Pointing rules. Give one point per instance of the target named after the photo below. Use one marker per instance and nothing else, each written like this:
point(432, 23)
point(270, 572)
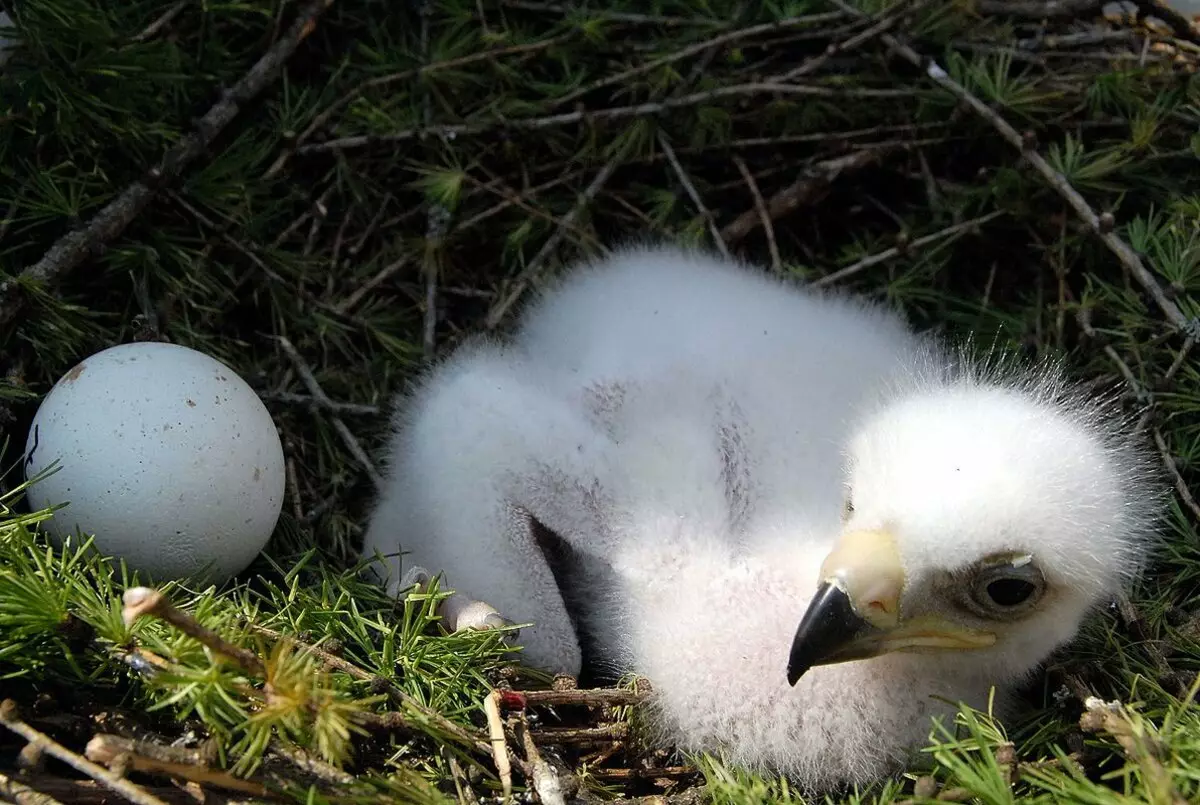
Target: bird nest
point(326, 195)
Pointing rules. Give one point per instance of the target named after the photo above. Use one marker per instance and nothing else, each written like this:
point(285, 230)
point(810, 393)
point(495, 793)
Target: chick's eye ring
point(1004, 590)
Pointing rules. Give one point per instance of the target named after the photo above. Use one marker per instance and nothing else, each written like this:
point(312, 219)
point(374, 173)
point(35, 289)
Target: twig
point(545, 780)
point(693, 194)
point(491, 708)
point(699, 47)
point(665, 772)
point(115, 751)
point(399, 697)
point(139, 601)
point(1139, 744)
point(593, 697)
point(583, 735)
point(760, 208)
point(308, 401)
point(1146, 397)
point(808, 188)
point(1037, 9)
point(837, 48)
point(350, 302)
point(10, 718)
point(47, 789)
point(599, 115)
point(888, 254)
point(1180, 25)
point(371, 225)
point(22, 794)
point(1181, 486)
point(321, 119)
point(72, 249)
point(1103, 228)
point(154, 28)
point(314, 388)
point(534, 268)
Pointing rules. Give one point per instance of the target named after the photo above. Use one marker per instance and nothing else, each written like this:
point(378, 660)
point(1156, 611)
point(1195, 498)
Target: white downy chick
point(803, 523)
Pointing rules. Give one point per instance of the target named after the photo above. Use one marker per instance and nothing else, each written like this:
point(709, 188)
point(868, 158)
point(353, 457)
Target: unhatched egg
point(165, 454)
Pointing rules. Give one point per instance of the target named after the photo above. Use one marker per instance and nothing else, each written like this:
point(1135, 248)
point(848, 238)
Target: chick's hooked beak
point(856, 611)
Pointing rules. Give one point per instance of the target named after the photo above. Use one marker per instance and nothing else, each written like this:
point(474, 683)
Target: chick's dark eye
point(1010, 592)
point(1004, 589)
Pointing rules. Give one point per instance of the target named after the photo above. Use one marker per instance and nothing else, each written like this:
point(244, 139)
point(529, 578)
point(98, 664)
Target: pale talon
point(808, 527)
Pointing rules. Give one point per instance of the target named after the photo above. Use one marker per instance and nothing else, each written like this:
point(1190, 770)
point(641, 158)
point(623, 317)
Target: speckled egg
point(165, 454)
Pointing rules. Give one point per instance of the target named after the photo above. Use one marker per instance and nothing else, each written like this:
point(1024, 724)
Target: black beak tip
point(824, 632)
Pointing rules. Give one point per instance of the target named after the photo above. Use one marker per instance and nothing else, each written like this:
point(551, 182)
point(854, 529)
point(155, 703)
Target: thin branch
point(895, 251)
point(350, 302)
point(597, 697)
point(600, 115)
point(159, 24)
point(71, 250)
point(22, 794)
point(760, 208)
point(1036, 9)
point(699, 47)
point(399, 698)
point(1104, 229)
point(10, 718)
point(333, 406)
point(116, 751)
point(809, 188)
point(314, 388)
point(139, 601)
point(693, 194)
point(499, 745)
point(534, 268)
point(322, 119)
point(1146, 397)
point(545, 780)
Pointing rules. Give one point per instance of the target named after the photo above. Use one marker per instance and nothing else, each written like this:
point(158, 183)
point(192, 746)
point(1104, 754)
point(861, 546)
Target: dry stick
point(154, 28)
point(1140, 747)
point(1103, 228)
point(693, 194)
point(48, 789)
point(545, 778)
point(22, 794)
point(314, 388)
point(760, 208)
point(499, 187)
point(308, 401)
point(1143, 394)
point(499, 745)
point(583, 735)
point(606, 697)
point(836, 48)
point(10, 718)
point(345, 100)
point(350, 302)
point(114, 750)
point(700, 47)
point(665, 772)
point(534, 267)
point(531, 271)
point(1182, 27)
point(399, 697)
point(73, 248)
point(599, 115)
point(139, 601)
point(1037, 9)
point(888, 254)
point(807, 189)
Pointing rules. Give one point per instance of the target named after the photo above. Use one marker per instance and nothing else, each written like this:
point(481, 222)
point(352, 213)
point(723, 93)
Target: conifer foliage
point(328, 194)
